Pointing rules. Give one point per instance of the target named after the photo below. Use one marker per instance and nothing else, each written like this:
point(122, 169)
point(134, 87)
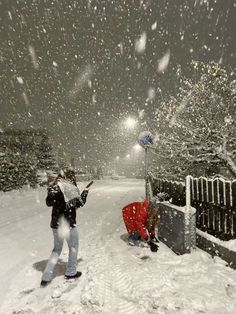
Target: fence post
point(188, 192)
point(190, 216)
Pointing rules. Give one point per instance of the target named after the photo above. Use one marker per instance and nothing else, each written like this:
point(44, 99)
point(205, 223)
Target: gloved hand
point(153, 246)
point(85, 191)
point(154, 239)
point(54, 189)
point(135, 236)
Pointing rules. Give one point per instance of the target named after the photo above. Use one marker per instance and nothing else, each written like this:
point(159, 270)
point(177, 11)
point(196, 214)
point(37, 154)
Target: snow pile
point(231, 244)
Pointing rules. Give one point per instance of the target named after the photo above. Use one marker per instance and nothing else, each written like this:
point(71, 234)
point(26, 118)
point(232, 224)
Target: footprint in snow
point(231, 290)
point(144, 257)
point(66, 287)
point(23, 311)
point(27, 291)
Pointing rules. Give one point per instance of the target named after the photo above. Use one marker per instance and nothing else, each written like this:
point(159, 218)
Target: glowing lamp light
point(130, 123)
point(137, 147)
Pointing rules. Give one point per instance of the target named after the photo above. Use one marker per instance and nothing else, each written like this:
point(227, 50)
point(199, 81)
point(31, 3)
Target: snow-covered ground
point(116, 278)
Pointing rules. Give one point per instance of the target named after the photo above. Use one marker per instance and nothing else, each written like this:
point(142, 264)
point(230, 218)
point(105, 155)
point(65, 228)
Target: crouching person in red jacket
point(140, 219)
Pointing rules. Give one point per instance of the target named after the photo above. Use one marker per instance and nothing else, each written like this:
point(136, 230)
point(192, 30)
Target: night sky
point(73, 67)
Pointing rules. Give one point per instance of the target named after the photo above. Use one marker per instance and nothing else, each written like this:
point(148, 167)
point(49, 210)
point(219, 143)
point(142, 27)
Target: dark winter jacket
point(62, 208)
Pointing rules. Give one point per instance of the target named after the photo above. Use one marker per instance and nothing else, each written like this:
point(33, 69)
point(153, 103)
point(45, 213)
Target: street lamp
point(130, 123)
point(137, 147)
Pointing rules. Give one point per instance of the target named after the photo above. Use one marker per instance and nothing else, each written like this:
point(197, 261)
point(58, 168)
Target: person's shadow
point(124, 237)
point(59, 269)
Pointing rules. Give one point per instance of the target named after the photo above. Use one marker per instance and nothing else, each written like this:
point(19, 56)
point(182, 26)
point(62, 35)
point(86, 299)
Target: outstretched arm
point(84, 195)
point(78, 201)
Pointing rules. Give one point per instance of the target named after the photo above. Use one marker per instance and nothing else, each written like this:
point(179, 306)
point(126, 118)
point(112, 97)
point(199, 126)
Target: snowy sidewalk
point(116, 278)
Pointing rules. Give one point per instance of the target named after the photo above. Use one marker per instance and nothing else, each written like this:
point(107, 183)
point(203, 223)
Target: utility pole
point(145, 175)
point(145, 140)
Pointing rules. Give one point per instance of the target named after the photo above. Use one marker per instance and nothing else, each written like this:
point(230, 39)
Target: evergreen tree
point(46, 159)
point(16, 170)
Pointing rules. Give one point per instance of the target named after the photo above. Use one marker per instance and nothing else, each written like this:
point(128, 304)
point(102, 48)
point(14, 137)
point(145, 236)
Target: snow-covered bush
point(23, 153)
point(16, 170)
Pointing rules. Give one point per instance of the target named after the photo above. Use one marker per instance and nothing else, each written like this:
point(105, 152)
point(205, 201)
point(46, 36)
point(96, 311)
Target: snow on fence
point(175, 189)
point(214, 200)
point(177, 227)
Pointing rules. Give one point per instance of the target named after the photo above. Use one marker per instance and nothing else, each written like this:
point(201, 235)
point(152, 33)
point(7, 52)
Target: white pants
point(73, 244)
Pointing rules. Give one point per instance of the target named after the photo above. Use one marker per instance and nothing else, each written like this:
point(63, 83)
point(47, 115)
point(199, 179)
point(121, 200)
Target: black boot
point(44, 283)
point(77, 275)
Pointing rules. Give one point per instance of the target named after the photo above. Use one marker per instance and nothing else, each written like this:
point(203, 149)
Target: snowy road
point(116, 278)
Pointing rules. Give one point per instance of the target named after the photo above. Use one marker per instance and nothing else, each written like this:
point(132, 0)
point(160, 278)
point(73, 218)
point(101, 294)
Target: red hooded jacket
point(135, 217)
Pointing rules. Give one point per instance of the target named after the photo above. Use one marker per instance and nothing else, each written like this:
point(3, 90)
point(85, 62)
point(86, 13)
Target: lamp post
point(145, 140)
point(129, 124)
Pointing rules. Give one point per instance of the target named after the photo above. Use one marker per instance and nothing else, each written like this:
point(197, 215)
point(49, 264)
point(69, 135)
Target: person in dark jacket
point(64, 197)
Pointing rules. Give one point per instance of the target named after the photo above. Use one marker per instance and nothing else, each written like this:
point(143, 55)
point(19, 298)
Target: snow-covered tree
point(46, 159)
point(16, 170)
point(197, 128)
point(23, 153)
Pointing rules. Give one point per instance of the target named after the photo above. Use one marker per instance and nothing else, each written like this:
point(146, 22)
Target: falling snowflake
point(20, 80)
point(164, 62)
point(151, 93)
point(140, 44)
point(33, 57)
point(154, 26)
